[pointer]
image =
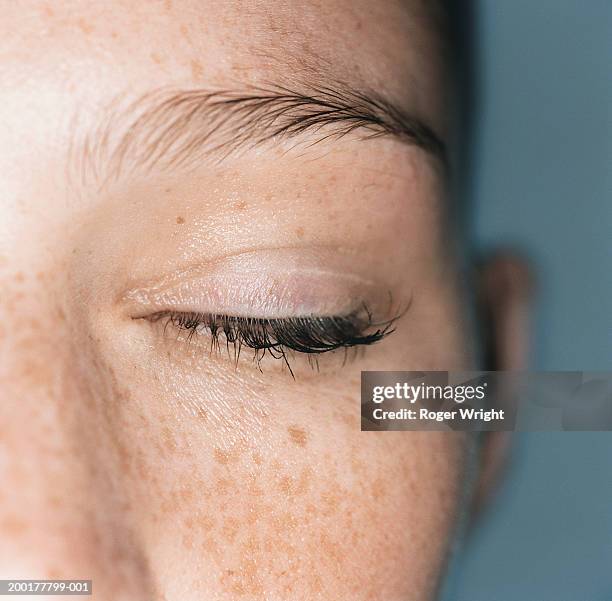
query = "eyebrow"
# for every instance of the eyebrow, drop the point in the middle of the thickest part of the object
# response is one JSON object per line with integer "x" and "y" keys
{"x": 169, "y": 129}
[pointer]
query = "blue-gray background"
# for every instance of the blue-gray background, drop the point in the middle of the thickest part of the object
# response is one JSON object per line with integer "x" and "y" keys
{"x": 543, "y": 183}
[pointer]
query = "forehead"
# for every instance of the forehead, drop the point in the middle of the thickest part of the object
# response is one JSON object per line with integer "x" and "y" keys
{"x": 95, "y": 50}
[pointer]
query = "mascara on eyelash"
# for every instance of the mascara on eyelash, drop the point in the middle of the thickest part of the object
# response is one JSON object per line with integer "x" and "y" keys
{"x": 310, "y": 335}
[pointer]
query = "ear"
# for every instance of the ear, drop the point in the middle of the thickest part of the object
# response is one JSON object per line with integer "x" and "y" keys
{"x": 506, "y": 290}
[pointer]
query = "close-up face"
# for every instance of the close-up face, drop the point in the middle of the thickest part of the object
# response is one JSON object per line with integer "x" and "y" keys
{"x": 214, "y": 217}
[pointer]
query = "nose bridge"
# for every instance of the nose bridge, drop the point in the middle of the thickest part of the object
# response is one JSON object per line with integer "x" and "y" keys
{"x": 62, "y": 513}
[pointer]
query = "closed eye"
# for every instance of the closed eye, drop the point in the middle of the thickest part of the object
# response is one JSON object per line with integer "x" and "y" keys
{"x": 311, "y": 335}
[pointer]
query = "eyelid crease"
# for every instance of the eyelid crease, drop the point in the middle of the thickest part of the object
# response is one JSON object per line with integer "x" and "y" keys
{"x": 258, "y": 284}
{"x": 144, "y": 290}
{"x": 300, "y": 251}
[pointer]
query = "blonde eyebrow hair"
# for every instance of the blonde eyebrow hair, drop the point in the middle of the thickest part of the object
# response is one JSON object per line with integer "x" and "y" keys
{"x": 171, "y": 129}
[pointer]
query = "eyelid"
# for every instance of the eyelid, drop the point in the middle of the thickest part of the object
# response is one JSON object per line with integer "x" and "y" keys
{"x": 257, "y": 285}
{"x": 249, "y": 295}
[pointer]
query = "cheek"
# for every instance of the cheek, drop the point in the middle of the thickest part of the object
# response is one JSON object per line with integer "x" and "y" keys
{"x": 273, "y": 492}
{"x": 231, "y": 483}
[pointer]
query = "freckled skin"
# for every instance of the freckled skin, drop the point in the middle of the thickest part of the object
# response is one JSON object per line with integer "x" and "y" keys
{"x": 160, "y": 469}
{"x": 298, "y": 435}
{"x": 197, "y": 70}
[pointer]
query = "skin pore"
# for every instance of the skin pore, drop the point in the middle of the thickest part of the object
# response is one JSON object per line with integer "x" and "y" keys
{"x": 133, "y": 454}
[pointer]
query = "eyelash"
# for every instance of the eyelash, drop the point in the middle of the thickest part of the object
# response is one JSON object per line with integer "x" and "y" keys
{"x": 310, "y": 335}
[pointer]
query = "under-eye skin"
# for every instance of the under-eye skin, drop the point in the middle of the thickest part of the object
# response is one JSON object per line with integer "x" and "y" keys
{"x": 311, "y": 335}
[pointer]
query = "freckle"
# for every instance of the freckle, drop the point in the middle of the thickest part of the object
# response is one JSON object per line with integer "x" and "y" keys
{"x": 252, "y": 487}
{"x": 332, "y": 549}
{"x": 13, "y": 526}
{"x": 168, "y": 438}
{"x": 349, "y": 420}
{"x": 317, "y": 584}
{"x": 241, "y": 206}
{"x": 257, "y": 458}
{"x": 168, "y": 4}
{"x": 184, "y": 31}
{"x": 48, "y": 10}
{"x": 55, "y": 501}
{"x": 180, "y": 220}
{"x": 304, "y": 481}
{"x": 357, "y": 465}
{"x": 299, "y": 232}
{"x": 286, "y": 485}
{"x": 222, "y": 457}
{"x": 378, "y": 489}
{"x": 84, "y": 26}
{"x": 187, "y": 494}
{"x": 246, "y": 581}
{"x": 61, "y": 315}
{"x": 124, "y": 458}
{"x": 201, "y": 413}
{"x": 196, "y": 69}
{"x": 330, "y": 502}
{"x": 141, "y": 468}
{"x": 253, "y": 514}
{"x": 206, "y": 523}
{"x": 298, "y": 436}
{"x": 157, "y": 60}
{"x": 210, "y": 546}
{"x": 230, "y": 529}
{"x": 19, "y": 277}
{"x": 222, "y": 485}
